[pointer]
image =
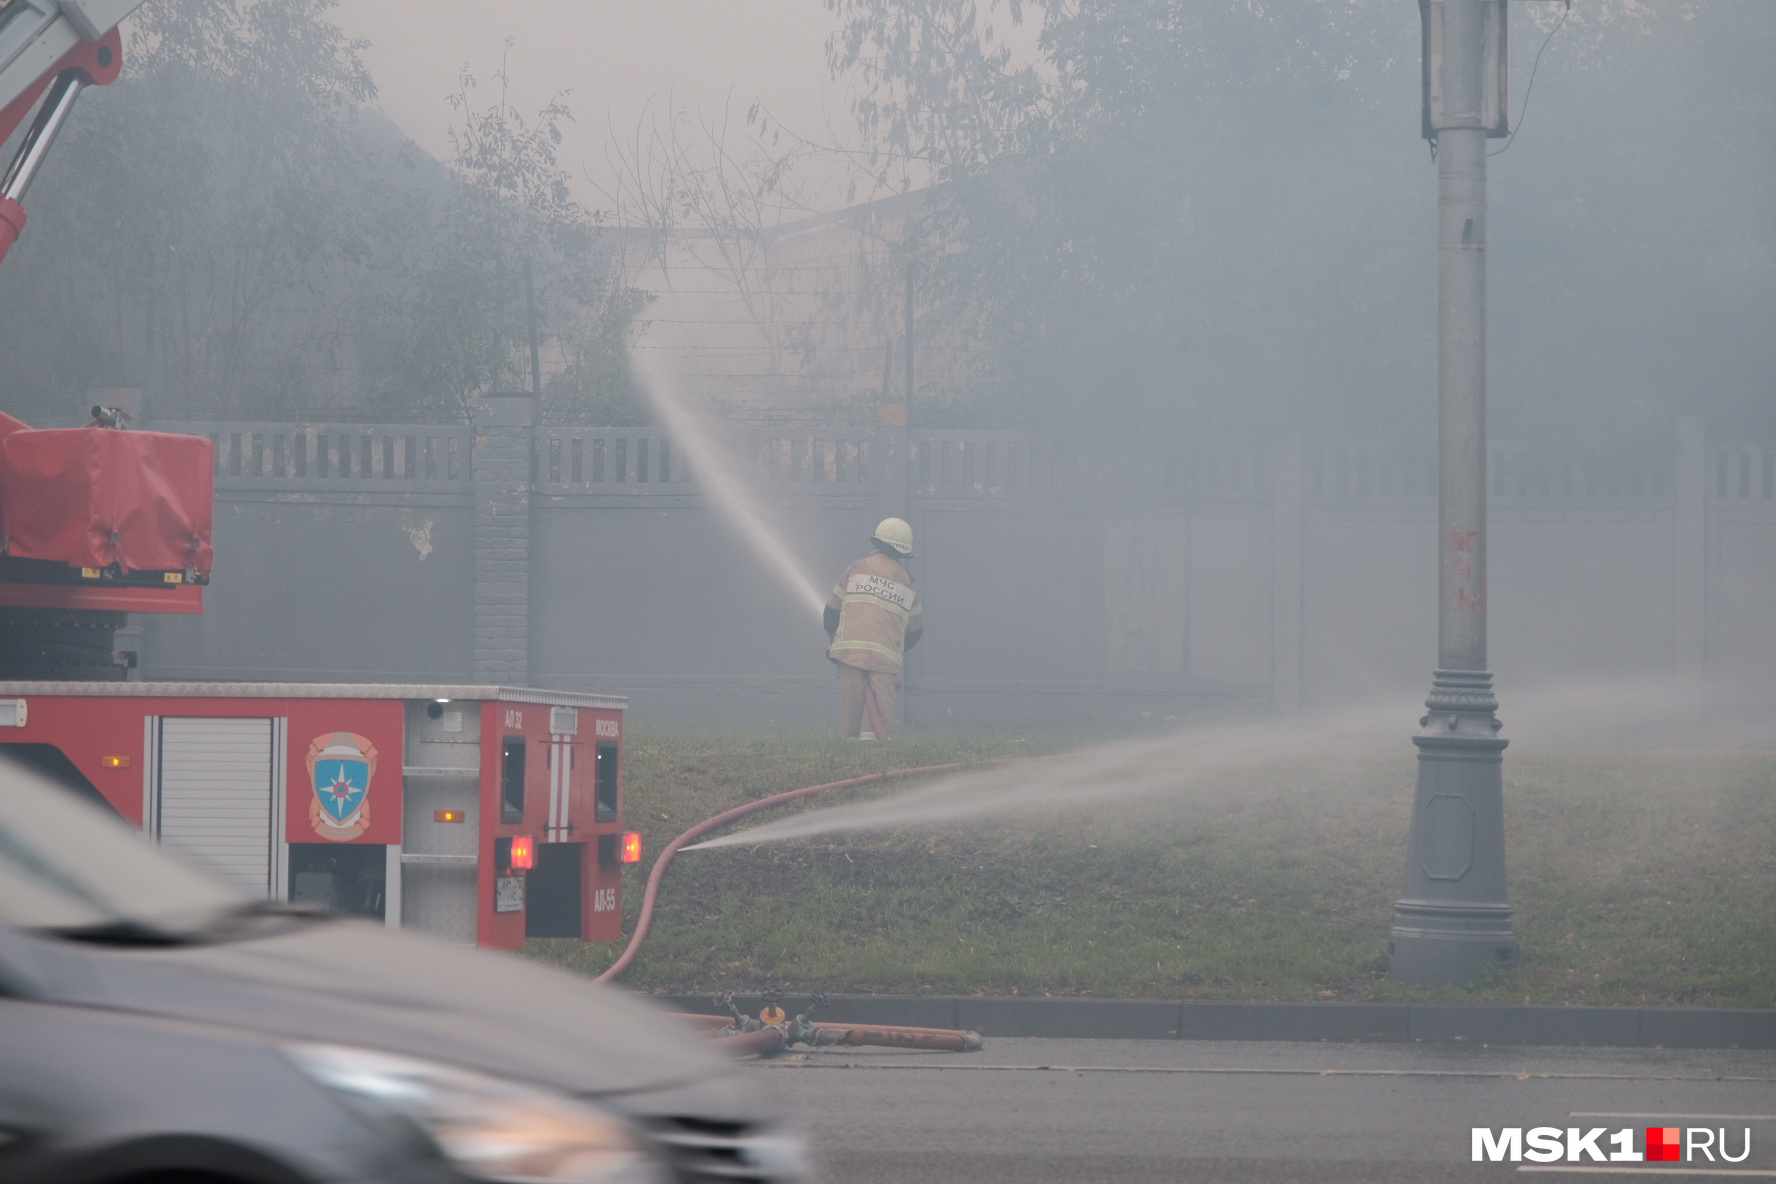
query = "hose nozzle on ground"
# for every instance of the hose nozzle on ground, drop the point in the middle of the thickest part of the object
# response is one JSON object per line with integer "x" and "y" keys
{"x": 746, "y": 1036}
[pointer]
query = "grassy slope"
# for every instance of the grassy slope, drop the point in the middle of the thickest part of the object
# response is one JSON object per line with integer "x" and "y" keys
{"x": 1636, "y": 879}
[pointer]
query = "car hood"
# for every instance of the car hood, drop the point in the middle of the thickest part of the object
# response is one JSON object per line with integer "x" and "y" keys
{"x": 350, "y": 982}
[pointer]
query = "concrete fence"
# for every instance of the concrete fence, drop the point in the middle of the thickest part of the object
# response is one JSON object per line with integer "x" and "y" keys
{"x": 1063, "y": 581}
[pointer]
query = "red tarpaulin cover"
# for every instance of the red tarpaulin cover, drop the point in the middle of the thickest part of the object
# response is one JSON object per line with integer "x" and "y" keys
{"x": 90, "y": 497}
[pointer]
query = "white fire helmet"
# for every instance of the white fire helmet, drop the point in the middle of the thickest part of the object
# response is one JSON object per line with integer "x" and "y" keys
{"x": 896, "y": 533}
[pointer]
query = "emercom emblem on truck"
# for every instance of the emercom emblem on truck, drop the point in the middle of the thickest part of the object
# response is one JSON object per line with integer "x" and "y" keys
{"x": 340, "y": 765}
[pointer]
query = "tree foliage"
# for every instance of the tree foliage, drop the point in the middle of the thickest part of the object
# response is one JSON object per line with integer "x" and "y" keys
{"x": 199, "y": 210}
{"x": 1218, "y": 217}
{"x": 508, "y": 241}
{"x": 234, "y": 227}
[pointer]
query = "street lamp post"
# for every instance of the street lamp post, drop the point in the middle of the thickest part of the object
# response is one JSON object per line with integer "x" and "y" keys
{"x": 1452, "y": 920}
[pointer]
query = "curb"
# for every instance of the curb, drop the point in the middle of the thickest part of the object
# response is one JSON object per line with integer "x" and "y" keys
{"x": 1378, "y": 1023}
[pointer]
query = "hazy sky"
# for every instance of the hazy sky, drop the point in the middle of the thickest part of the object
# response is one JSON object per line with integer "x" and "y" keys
{"x": 615, "y": 55}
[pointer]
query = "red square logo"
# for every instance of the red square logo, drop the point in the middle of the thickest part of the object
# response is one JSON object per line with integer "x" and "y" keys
{"x": 1663, "y": 1143}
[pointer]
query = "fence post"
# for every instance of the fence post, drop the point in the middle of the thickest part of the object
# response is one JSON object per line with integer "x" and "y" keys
{"x": 1689, "y": 551}
{"x": 891, "y": 461}
{"x": 1287, "y": 546}
{"x": 500, "y": 465}
{"x": 892, "y": 502}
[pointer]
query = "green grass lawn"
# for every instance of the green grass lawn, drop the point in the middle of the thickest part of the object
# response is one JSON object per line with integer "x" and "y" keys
{"x": 1636, "y": 878}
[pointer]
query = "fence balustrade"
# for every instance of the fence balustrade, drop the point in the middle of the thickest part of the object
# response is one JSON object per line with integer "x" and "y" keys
{"x": 941, "y": 464}
{"x": 361, "y": 457}
{"x": 1743, "y": 473}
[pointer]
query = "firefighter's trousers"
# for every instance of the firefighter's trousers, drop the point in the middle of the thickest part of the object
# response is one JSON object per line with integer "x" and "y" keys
{"x": 852, "y": 682}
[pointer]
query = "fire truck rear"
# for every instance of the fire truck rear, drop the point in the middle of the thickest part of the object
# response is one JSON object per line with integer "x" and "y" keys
{"x": 482, "y": 813}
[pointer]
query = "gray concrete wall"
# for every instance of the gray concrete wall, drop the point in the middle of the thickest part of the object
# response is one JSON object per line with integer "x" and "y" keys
{"x": 1062, "y": 585}
{"x": 360, "y": 575}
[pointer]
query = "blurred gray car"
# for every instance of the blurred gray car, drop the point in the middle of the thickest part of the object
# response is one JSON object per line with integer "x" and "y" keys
{"x": 157, "y": 1026}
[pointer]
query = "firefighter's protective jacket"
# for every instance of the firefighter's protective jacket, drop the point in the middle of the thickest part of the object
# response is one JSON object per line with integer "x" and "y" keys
{"x": 878, "y": 604}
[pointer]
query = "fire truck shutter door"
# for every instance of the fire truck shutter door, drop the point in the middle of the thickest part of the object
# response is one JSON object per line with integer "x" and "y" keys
{"x": 216, "y": 797}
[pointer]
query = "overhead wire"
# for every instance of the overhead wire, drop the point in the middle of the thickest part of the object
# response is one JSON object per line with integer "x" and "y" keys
{"x": 1529, "y": 87}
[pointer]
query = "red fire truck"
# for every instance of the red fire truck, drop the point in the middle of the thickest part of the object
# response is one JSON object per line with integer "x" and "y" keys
{"x": 481, "y": 813}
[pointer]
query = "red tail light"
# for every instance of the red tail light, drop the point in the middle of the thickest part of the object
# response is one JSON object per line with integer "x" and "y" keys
{"x": 631, "y": 847}
{"x": 523, "y": 853}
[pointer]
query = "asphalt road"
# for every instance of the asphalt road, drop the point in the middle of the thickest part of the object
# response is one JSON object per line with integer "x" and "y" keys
{"x": 1134, "y": 1111}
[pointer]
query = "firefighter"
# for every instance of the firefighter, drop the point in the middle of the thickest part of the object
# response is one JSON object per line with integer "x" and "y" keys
{"x": 872, "y": 619}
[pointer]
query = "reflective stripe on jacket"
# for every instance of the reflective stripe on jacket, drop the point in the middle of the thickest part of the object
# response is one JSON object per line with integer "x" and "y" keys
{"x": 878, "y": 603}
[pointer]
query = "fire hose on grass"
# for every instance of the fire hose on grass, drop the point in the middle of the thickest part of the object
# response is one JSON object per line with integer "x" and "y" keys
{"x": 743, "y": 1036}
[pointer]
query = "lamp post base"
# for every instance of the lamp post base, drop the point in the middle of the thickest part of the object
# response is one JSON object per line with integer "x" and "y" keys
{"x": 1438, "y": 946}
{"x": 1452, "y": 922}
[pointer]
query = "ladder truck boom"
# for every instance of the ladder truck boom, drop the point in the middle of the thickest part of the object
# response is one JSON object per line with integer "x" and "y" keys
{"x": 49, "y": 51}
{"x": 94, "y": 522}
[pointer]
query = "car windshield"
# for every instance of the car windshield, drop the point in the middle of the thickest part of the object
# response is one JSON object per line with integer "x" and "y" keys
{"x": 67, "y": 866}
